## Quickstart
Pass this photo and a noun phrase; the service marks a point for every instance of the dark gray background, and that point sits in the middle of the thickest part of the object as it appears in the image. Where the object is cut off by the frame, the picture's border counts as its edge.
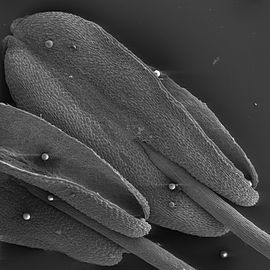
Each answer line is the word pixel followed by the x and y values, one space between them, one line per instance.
pixel 218 50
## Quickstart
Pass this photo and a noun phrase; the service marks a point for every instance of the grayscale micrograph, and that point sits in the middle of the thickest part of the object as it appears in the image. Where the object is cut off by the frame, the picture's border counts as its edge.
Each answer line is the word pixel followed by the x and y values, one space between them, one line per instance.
pixel 134 135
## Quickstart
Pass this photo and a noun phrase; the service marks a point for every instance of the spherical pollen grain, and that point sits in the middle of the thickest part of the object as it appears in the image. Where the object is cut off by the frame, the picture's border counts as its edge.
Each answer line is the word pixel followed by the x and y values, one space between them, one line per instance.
pixel 26 216
pixel 45 156
pixel 48 43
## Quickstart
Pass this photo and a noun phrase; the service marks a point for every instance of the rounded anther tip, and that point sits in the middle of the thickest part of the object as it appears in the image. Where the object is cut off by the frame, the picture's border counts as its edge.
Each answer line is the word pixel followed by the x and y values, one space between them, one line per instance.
pixel 15 24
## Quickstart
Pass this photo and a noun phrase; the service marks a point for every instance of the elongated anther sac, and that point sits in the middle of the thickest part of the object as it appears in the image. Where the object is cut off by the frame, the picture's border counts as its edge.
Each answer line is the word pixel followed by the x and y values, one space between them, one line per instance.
pixel 141 247
pixel 212 203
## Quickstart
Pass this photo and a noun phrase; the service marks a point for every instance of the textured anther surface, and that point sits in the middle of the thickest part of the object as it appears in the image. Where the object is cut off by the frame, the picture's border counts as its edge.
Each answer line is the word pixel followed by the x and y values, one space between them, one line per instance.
pixel 99 191
pixel 213 128
pixel 112 99
pixel 49 228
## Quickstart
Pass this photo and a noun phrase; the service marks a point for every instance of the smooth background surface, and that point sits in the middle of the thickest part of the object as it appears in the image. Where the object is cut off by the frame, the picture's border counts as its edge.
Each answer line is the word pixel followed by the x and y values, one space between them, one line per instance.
pixel 219 51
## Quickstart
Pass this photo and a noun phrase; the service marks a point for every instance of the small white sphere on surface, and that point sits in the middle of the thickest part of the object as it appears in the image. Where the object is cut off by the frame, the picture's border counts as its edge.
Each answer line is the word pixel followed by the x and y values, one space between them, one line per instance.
pixel 223 254
pixel 48 43
pixel 26 216
pixel 45 156
pixel 172 186
pixel 50 198
pixel 172 204
pixel 157 73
